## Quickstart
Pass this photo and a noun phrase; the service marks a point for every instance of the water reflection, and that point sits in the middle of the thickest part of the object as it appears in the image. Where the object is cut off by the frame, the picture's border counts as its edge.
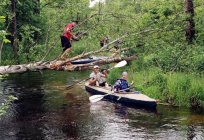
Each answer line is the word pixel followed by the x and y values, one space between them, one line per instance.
pixel 121 122
pixel 121 111
pixel 116 120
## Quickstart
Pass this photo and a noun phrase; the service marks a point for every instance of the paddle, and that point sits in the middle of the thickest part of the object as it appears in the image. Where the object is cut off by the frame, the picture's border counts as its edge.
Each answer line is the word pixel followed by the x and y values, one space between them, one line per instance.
pixel 96 98
pixel 118 65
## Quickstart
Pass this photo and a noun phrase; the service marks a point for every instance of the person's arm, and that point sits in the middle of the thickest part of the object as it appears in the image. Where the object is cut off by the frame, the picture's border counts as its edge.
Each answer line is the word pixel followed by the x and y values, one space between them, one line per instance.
pixel 130 84
pixel 92 80
pixel 116 86
pixel 74 37
pixel 102 75
pixel 105 75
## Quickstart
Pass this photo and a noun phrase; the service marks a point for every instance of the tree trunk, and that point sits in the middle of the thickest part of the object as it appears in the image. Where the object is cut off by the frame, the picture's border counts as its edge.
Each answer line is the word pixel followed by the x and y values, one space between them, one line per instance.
pixel 190 28
pixel 1 47
pixel 13 29
pixel 38 66
pixel 100 62
pixel 37 9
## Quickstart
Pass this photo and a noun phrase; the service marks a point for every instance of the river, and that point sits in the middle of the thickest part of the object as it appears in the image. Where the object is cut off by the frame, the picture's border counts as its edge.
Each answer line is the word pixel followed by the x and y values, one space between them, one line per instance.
pixel 46 110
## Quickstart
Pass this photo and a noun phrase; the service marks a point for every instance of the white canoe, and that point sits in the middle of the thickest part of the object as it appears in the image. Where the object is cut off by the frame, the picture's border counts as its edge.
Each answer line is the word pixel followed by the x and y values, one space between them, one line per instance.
pixel 130 98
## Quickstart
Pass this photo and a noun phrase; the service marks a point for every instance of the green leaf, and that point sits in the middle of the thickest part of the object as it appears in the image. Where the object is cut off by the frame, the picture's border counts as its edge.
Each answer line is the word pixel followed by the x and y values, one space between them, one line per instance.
pixel 2 17
pixel 6 41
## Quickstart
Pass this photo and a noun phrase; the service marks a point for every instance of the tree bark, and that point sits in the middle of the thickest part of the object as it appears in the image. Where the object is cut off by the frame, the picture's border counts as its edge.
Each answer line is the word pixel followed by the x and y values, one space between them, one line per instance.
pixel 100 62
pixel 13 29
pixel 190 28
pixel 1 47
pixel 38 66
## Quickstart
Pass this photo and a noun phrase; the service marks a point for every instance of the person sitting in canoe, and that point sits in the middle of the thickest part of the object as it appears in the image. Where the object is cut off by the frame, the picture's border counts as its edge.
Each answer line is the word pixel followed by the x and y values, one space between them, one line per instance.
pixel 122 84
pixel 103 79
pixel 97 78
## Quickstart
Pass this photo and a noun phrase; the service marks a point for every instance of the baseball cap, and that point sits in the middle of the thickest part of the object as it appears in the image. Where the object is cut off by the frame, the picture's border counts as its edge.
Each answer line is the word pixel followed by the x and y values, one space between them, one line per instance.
pixel 96 66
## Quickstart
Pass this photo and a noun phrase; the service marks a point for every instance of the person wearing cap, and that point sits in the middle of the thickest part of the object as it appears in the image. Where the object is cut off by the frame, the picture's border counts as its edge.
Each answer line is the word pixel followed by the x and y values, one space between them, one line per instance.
pixel 67 37
pixel 122 83
pixel 96 77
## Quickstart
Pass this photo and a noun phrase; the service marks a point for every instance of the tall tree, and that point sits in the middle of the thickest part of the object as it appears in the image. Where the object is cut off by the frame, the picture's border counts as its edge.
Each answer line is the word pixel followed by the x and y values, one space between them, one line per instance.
pixel 190 28
pixel 13 29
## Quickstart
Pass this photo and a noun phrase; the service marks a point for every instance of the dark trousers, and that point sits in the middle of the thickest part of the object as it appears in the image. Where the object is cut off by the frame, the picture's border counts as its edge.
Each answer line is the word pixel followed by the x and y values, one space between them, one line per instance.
pixel 65 43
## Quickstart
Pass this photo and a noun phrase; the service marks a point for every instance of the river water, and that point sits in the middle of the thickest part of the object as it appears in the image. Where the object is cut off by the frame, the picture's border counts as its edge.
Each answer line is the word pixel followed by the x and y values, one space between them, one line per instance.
pixel 46 110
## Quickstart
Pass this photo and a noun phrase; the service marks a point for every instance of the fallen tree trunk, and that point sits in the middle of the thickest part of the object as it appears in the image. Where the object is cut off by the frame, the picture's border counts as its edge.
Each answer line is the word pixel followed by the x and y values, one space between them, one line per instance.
pixel 24 68
pixel 38 66
pixel 100 62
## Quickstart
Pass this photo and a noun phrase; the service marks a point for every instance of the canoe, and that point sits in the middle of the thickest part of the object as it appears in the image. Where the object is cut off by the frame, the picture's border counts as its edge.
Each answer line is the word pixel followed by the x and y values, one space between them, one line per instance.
pixel 132 99
pixel 87 60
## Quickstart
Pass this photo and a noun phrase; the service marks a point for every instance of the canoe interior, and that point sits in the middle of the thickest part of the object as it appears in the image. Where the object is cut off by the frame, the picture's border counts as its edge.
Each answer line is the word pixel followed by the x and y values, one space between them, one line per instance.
pixel 132 100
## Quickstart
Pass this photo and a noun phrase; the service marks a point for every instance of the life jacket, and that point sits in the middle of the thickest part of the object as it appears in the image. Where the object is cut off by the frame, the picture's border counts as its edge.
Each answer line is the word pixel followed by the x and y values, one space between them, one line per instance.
pixel 123 84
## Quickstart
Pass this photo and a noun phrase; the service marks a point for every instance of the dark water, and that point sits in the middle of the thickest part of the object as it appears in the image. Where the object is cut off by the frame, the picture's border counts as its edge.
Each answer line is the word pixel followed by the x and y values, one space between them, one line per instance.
pixel 46 110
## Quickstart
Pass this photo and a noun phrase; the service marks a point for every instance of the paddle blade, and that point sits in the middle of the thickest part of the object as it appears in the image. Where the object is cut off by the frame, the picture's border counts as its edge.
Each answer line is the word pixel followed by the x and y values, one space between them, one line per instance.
pixel 121 64
pixel 95 98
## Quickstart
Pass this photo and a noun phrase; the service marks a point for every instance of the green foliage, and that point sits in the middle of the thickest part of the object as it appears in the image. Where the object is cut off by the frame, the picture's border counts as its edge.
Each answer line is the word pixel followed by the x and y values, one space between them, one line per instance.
pixel 3 33
pixel 114 74
pixel 167 66
pixel 42 23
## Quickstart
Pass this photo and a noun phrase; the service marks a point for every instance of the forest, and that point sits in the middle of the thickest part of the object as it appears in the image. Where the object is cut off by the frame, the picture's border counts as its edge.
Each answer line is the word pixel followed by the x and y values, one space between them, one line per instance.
pixel 167 36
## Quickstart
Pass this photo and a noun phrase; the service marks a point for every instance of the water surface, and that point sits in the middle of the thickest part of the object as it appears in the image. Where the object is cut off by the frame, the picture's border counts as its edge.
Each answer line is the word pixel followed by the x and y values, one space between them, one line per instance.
pixel 45 109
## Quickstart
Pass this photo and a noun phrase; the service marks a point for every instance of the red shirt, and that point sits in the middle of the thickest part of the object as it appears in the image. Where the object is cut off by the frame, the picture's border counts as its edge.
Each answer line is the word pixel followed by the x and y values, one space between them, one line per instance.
pixel 68 34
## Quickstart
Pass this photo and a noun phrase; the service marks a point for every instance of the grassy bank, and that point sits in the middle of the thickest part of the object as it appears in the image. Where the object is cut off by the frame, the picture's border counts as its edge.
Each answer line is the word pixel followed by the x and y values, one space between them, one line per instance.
pixel 176 88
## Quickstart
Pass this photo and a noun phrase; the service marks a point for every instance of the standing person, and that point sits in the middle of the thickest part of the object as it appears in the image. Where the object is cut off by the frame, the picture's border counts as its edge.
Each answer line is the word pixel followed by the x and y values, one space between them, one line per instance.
pixel 66 38
pixel 96 77
pixel 122 83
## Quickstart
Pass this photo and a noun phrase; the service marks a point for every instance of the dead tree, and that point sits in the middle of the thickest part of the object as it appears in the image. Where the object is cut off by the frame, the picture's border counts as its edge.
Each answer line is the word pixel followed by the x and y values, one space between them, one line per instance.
pixel 38 66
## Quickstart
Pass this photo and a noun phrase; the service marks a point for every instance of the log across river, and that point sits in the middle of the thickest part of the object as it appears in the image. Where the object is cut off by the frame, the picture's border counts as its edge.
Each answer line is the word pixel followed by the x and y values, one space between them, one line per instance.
pixel 59 65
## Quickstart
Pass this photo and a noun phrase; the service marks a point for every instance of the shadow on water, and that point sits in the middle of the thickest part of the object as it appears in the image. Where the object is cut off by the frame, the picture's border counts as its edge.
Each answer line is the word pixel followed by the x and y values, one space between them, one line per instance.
pixel 18 123
pixel 46 110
